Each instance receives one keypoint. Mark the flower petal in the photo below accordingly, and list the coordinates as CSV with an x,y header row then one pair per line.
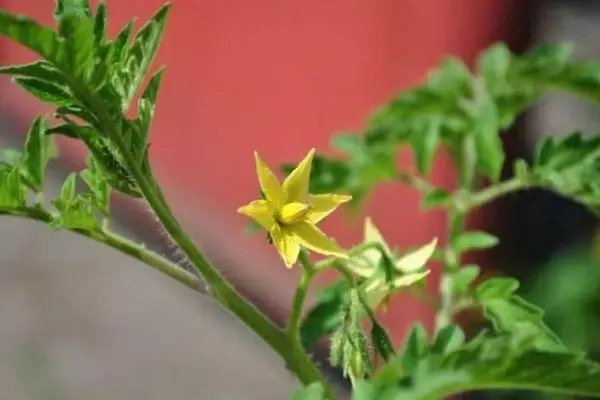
x,y
416,259
311,237
295,186
409,279
375,292
259,211
372,235
269,183
293,212
324,204
360,266
286,245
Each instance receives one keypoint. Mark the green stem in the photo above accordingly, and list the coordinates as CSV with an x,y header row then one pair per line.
x,y
493,192
297,360
306,275
119,243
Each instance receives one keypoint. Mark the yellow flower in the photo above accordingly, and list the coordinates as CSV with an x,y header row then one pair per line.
x,y
290,213
409,267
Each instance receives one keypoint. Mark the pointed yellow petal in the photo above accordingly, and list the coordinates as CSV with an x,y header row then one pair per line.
x,y
269,183
417,259
360,266
311,237
324,204
375,292
286,245
259,211
293,212
295,186
372,235
409,279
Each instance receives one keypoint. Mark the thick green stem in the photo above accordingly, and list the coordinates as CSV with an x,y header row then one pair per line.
x,y
297,360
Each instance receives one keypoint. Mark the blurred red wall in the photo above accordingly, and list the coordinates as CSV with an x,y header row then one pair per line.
x,y
280,77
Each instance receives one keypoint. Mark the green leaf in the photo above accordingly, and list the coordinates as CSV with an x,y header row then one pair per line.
x,y
143,51
314,391
491,362
424,143
41,70
494,63
37,153
435,198
496,288
77,31
100,22
521,170
10,156
72,7
519,317
474,240
462,278
363,390
48,92
381,341
67,191
147,105
448,339
415,348
327,315
98,185
74,211
27,32
12,191
490,151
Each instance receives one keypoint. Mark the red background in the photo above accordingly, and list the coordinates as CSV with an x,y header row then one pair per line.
x,y
280,77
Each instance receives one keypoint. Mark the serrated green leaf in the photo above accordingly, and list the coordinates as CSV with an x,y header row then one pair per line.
x,y
143,51
474,240
496,288
462,278
493,362
12,191
67,190
518,317
77,31
47,92
434,198
37,153
75,214
490,151
32,35
41,70
98,185
424,143
147,105
314,391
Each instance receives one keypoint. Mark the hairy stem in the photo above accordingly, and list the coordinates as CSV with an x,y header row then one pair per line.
x,y
118,243
297,360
